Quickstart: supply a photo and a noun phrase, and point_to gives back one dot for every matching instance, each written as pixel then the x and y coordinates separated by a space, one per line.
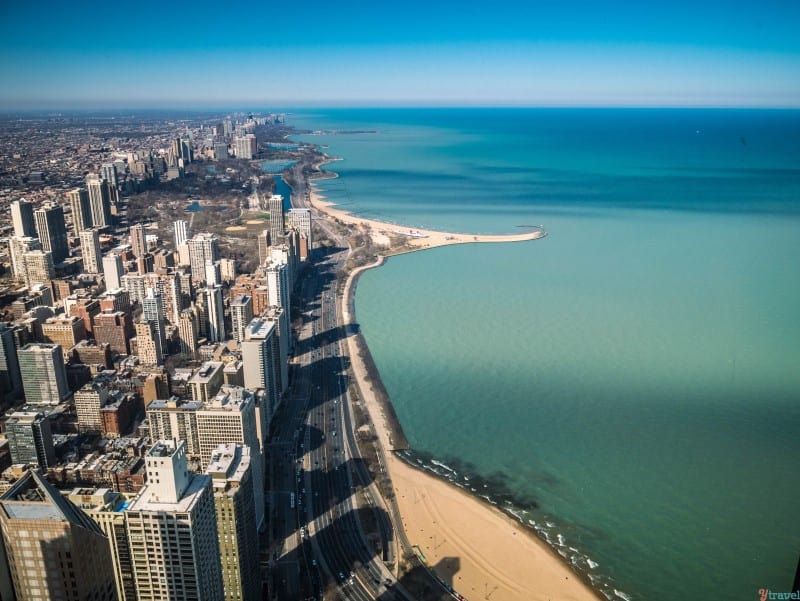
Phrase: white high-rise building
pixel 216 314
pixel 38 267
pixel 278 285
pixel 112 271
pixel 181 228
pixel 90 249
pixel 18 246
pixel 153 311
pixel 276 218
pixel 213 273
pixel 172 529
pixel 22 218
pixel 202 249
pixel 300 219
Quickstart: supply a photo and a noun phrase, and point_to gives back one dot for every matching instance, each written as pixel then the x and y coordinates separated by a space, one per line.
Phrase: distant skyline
pixel 105 55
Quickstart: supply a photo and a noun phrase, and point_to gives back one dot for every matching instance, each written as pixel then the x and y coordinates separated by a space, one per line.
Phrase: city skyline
pixel 577 54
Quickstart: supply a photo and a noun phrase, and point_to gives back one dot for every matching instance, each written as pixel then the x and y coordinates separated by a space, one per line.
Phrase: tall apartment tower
pixel 172 529
pixel 216 315
pixel 99 200
pixel 44 379
pixel 88 401
pixel 30 439
pixel 109 173
pixel 232 481
pixel 202 249
pixel 10 378
pixel 22 218
pixel 181 229
pixel 241 315
pixel 230 416
pixel 81 209
pixel 188 331
pixel 153 311
pixel 258 358
pixel 137 240
pixel 113 271
pixel 54 550
pixel 38 267
pixel 262 243
pixel 278 285
pixel 300 219
pixel 90 249
pixel 148 343
pixel 52 231
pixel 17 247
pixel 276 217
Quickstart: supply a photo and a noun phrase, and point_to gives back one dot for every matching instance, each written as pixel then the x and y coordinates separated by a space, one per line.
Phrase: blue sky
pixel 552 53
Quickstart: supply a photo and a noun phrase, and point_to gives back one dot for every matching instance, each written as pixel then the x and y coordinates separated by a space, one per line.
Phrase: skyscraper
pixel 148 343
pixel 300 219
pixel 88 400
pixel 181 228
pixel 22 218
pixel 241 315
pixel 109 173
pixel 276 223
pixel 203 247
pixel 262 242
pixel 54 550
pixel 38 267
pixel 10 378
pixel 90 249
pixel 278 284
pixel 173 530
pixel 258 358
pixel 52 231
pixel 112 271
pixel 187 331
pixel 30 439
pixel 153 311
pixel 99 200
pixel 216 315
pixel 44 379
pixel 81 209
pixel 137 240
pixel 232 481
pixel 230 416
pixel 18 246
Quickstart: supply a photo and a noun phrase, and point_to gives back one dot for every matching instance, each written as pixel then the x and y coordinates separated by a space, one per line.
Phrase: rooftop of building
pixel 145 501
pixel 34 498
pixel 206 371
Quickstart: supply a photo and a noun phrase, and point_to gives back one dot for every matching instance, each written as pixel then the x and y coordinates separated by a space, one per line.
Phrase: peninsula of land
pixel 473 546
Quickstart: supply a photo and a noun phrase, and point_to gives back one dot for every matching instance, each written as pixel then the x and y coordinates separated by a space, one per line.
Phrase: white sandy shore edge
pixel 420 239
pixel 479 549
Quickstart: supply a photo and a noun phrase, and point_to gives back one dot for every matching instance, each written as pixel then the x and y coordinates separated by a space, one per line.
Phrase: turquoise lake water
pixel 630 384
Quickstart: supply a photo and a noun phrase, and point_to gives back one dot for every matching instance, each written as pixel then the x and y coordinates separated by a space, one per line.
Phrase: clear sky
pixel 61 54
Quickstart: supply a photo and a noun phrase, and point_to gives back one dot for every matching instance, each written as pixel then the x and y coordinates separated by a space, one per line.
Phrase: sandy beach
pixel 481 551
pixel 417 239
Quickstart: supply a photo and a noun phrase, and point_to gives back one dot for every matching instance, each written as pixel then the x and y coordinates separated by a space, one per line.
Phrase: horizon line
pixel 343 106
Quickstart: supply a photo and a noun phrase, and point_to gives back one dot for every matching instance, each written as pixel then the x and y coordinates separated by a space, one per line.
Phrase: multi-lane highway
pixel 319 495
